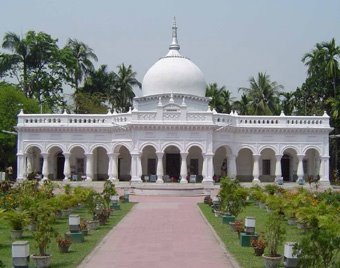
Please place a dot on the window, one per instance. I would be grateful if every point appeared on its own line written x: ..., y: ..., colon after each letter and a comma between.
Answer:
x: 266, y: 167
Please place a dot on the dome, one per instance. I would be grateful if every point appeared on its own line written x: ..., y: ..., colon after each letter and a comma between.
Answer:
x: 174, y: 74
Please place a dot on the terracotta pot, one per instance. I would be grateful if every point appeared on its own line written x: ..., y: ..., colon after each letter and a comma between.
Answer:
x: 258, y: 251
x: 41, y: 261
x: 272, y: 262
x: 63, y: 249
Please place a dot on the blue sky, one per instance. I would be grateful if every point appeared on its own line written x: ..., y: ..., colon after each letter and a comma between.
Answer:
x: 230, y: 41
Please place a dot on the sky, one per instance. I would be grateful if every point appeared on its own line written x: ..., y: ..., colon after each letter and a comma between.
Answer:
x: 230, y: 41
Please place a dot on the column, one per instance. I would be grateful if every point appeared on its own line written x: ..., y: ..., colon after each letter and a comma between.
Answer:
x: 204, y: 167
x: 20, y: 166
x: 134, y: 168
x: 256, y: 170
x: 324, y: 170
x: 139, y: 166
x: 89, y: 167
x: 45, y: 166
x: 209, y: 168
x: 109, y: 168
x: 232, y: 166
x: 184, y: 169
x: 300, y: 168
x: 114, y: 166
x: 29, y: 168
x: 278, y: 170
x: 67, y: 168
x: 160, y: 171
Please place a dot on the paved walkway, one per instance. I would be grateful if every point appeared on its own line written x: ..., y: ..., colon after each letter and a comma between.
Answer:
x: 161, y: 232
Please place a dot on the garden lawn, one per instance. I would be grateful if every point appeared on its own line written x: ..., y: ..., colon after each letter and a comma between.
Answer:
x: 78, y: 251
x: 245, y: 255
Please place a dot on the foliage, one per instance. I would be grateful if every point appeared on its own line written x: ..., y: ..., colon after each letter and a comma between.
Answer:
x: 319, y: 247
x: 232, y: 196
x: 275, y: 233
x: 260, y: 242
x: 220, y: 98
x: 17, y: 219
x: 63, y: 241
x: 109, y: 190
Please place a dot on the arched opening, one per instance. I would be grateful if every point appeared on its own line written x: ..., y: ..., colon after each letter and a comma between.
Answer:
x: 220, y: 163
x: 56, y: 162
x: 100, y: 164
x: 244, y: 165
x: 172, y: 163
x: 311, y: 163
x: 267, y: 165
x: 124, y: 163
x: 34, y: 162
x: 195, y: 163
x: 77, y: 163
x: 149, y: 164
x: 289, y: 163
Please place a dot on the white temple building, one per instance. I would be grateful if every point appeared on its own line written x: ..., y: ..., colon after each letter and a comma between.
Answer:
x: 172, y: 135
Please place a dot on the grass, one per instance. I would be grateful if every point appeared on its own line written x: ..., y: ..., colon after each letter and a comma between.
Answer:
x: 245, y: 255
x: 78, y: 251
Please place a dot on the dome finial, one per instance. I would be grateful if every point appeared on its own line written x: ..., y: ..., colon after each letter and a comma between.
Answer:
x: 174, y: 44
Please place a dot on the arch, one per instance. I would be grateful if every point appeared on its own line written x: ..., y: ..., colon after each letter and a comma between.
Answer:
x: 148, y: 160
x: 55, y: 145
x: 174, y: 144
x: 267, y: 164
x: 146, y: 144
x: 99, y: 145
x: 244, y: 164
x: 246, y: 146
x: 100, y: 163
x: 194, y: 144
x: 311, y: 147
x: 77, y: 145
x: 289, y: 147
x: 34, y: 145
x: 117, y: 147
x: 220, y: 145
x: 269, y: 147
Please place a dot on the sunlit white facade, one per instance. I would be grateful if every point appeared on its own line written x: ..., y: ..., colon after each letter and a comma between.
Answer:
x: 171, y: 135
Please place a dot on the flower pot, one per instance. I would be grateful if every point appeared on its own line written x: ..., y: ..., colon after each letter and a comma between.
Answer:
x: 16, y: 234
x: 271, y: 262
x: 258, y: 251
x: 92, y: 225
x: 291, y: 221
x: 63, y: 249
x: 41, y: 261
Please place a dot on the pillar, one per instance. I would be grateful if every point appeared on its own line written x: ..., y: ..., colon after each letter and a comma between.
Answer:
x: 204, y: 167
x: 278, y: 169
x: 184, y: 168
x: 160, y: 169
x: 232, y: 166
x: 67, y: 168
x: 300, y: 167
x: 114, y: 166
x: 134, y: 168
x: 256, y: 170
x: 324, y: 170
x: 89, y: 167
x: 139, y: 166
x: 45, y: 166
x: 208, y: 178
x: 20, y: 166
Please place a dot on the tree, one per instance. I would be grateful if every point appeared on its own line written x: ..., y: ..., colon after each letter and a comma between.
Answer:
x: 263, y: 95
x: 124, y: 83
x: 242, y: 105
x: 288, y: 103
x: 35, y: 62
x: 220, y: 98
x: 81, y: 63
x: 11, y: 96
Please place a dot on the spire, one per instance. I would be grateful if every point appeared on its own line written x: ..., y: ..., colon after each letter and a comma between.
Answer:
x: 174, y: 44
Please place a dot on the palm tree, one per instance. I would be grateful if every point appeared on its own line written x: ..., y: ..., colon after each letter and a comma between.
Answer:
x: 216, y: 94
x: 20, y: 54
x: 288, y: 103
x: 82, y: 64
x: 332, y: 54
x: 242, y: 105
x: 263, y: 94
x: 125, y: 81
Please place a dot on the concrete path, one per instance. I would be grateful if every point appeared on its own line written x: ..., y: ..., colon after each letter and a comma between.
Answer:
x: 161, y: 232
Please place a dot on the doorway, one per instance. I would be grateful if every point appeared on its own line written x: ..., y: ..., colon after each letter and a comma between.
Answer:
x: 285, y: 167
x: 173, y: 166
x: 60, y: 166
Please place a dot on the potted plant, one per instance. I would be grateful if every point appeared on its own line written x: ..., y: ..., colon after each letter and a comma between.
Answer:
x: 43, y: 234
x: 259, y: 245
x: 233, y: 198
x: 64, y: 243
x: 83, y: 227
x: 17, y: 219
x: 274, y: 235
x: 237, y: 226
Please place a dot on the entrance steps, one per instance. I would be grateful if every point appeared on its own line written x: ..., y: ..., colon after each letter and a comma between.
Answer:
x: 170, y: 189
